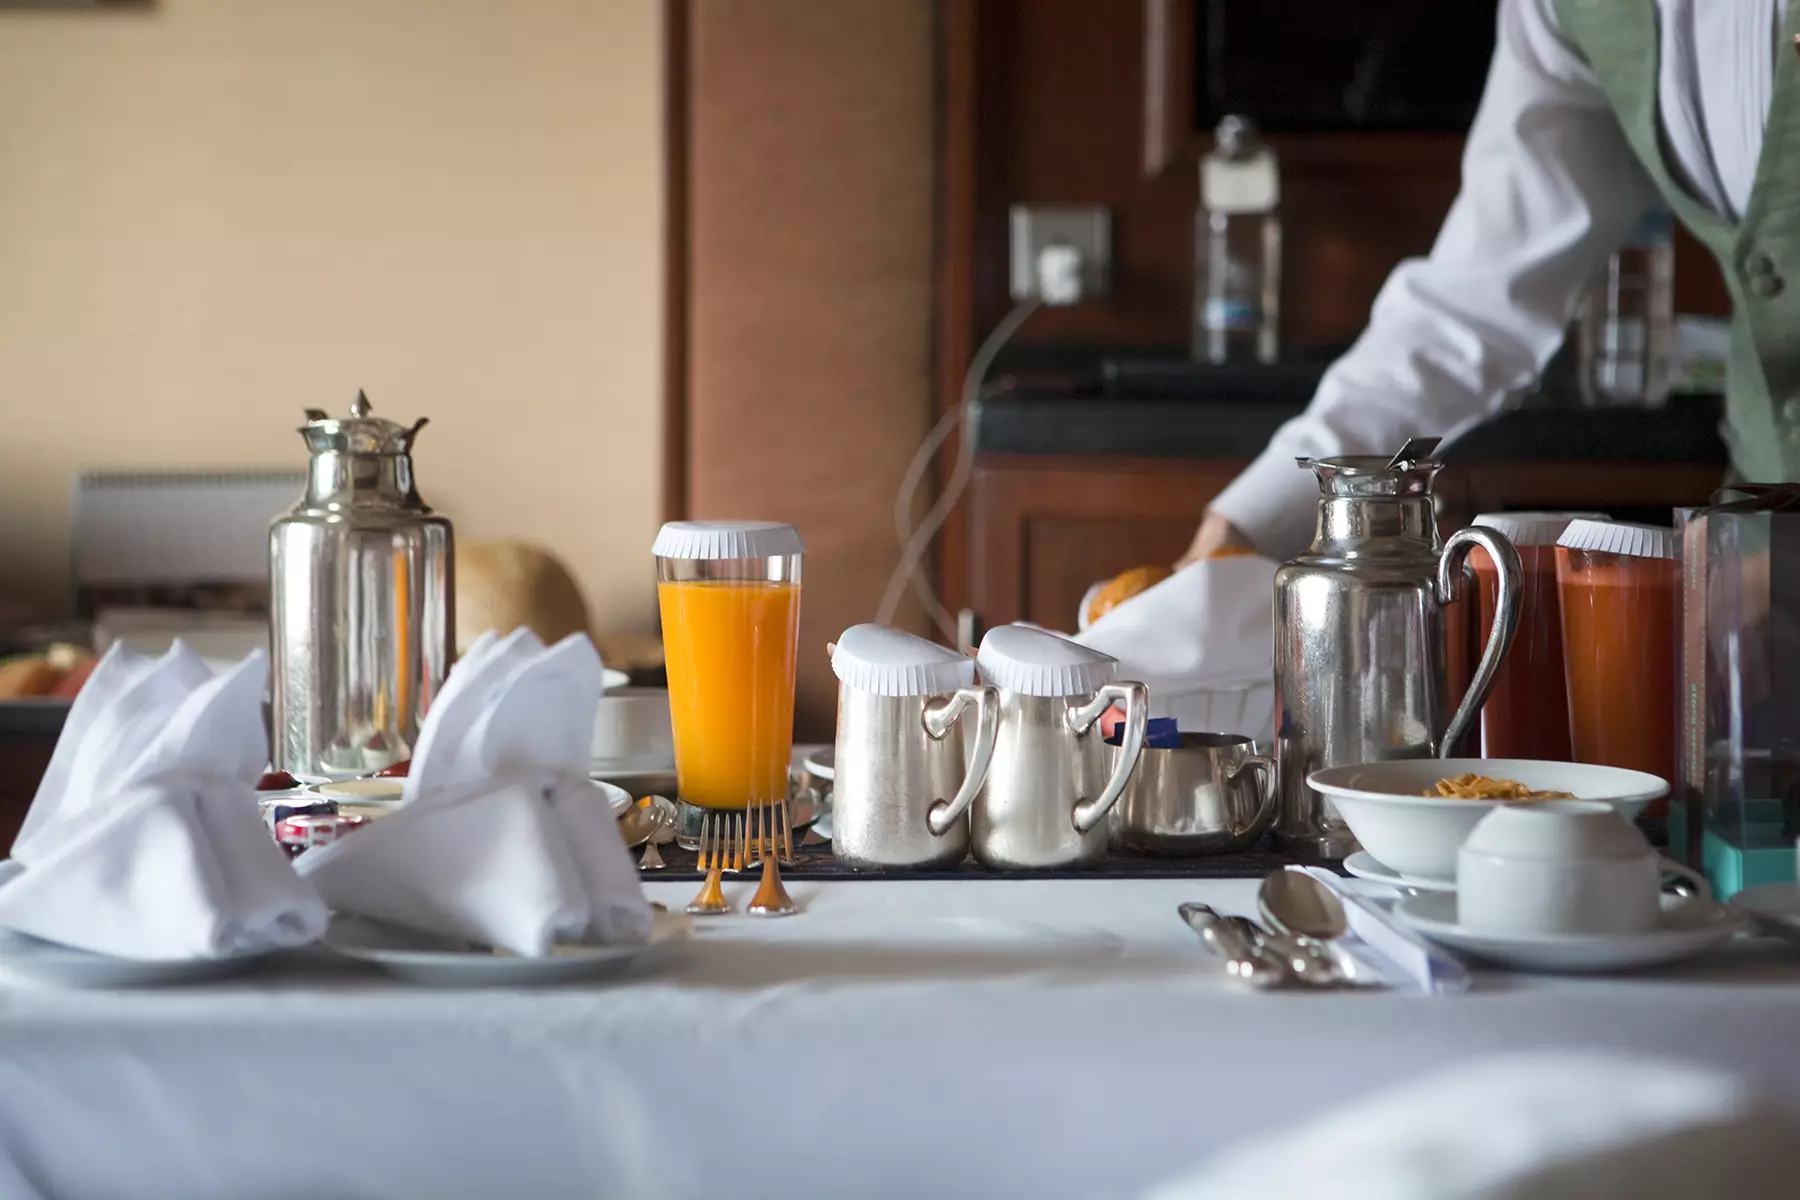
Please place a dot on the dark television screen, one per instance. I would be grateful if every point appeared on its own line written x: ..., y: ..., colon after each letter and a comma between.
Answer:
x: 1318, y: 65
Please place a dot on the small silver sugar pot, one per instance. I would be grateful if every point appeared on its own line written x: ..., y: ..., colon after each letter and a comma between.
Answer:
x: 900, y: 790
x: 1053, y: 778
x: 1209, y: 794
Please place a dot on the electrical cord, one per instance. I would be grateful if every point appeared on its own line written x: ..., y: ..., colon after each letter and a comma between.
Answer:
x: 916, y: 541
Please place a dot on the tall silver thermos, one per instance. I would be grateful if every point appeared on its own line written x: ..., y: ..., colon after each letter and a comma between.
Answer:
x: 361, y: 602
x: 1361, y: 668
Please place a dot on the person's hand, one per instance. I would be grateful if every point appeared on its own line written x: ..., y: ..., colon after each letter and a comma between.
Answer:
x: 1215, y: 534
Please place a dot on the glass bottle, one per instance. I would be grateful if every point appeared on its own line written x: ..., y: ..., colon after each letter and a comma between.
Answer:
x: 1627, y: 323
x: 1237, y: 242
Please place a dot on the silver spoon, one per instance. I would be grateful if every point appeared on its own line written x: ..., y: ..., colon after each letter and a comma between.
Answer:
x: 1296, y: 904
x: 1229, y: 938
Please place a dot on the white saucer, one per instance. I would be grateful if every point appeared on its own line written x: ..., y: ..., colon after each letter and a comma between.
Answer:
x: 1773, y: 908
x: 38, y: 961
x: 1364, y: 865
x: 639, y: 783
x: 823, y: 763
x: 440, y: 962
x: 1689, y: 927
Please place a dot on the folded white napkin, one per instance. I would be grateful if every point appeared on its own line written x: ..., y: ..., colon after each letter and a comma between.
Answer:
x: 1203, y: 642
x: 144, y: 839
x: 500, y: 837
x: 1378, y: 940
x: 1569, y: 1125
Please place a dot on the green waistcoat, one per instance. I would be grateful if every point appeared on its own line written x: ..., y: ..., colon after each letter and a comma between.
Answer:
x: 1760, y: 255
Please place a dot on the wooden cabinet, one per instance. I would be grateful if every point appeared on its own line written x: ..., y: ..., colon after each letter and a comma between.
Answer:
x: 1043, y: 529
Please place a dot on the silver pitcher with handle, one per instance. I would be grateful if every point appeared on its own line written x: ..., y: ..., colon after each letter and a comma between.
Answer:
x: 361, y: 610
x: 1053, y: 777
x: 900, y: 788
x: 1360, y: 665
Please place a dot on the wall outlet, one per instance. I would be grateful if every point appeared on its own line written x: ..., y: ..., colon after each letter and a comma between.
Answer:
x: 1086, y: 227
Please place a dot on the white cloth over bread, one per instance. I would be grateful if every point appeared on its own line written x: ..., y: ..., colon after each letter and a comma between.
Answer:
x: 144, y: 839
x: 1203, y: 642
x: 500, y: 838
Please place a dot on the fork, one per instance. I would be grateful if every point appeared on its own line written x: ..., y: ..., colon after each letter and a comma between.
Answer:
x: 770, y: 839
x: 721, y: 850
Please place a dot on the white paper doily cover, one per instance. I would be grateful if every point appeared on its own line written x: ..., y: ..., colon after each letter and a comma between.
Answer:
x: 727, y: 539
x: 892, y: 662
x: 1533, y: 528
x: 1617, y: 537
x: 1036, y: 663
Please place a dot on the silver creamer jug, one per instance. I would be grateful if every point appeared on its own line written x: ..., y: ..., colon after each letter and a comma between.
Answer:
x: 904, y: 774
x: 1053, y: 778
x: 361, y: 602
x: 1361, y: 673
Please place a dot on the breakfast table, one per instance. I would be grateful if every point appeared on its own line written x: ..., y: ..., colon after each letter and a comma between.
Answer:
x: 1042, y: 1037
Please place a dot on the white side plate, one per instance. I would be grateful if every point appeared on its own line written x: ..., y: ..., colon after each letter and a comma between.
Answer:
x: 34, y: 960
x: 1364, y: 865
x: 437, y: 962
x: 1689, y: 927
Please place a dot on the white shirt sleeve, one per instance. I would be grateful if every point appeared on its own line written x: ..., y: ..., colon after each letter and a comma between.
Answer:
x: 1549, y: 189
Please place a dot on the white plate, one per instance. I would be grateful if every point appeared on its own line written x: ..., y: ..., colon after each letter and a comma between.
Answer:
x: 37, y: 961
x: 617, y: 798
x: 422, y: 958
x: 1364, y: 865
x: 1689, y: 927
x: 610, y: 679
x: 1773, y: 908
x: 823, y: 763
x: 640, y: 783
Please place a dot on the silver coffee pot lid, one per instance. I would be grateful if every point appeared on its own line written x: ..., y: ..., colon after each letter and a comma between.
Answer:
x: 358, y: 433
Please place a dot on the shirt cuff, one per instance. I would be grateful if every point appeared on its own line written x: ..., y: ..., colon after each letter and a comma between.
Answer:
x: 1274, y: 503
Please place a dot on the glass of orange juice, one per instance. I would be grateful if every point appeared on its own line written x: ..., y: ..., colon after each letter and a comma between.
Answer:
x: 729, y: 592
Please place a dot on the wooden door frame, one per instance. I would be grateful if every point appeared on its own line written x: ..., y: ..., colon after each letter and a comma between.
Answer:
x: 677, y: 277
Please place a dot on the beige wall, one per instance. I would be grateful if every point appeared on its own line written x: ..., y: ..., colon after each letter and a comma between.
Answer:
x: 215, y: 213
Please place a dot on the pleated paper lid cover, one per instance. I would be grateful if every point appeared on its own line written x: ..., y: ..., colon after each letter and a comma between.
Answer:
x: 891, y: 662
x: 1034, y: 662
x: 1533, y: 528
x: 727, y: 539
x: 1618, y: 537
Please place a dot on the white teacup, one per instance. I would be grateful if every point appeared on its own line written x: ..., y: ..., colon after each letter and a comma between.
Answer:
x: 1561, y: 868
x: 632, y: 730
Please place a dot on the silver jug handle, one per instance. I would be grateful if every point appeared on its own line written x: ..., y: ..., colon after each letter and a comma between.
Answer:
x: 1506, y: 618
x: 1136, y: 699
x: 939, y: 719
x: 1267, y: 796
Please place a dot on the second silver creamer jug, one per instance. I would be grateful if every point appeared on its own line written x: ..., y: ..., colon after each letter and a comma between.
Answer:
x: 1053, y: 778
x: 361, y: 605
x: 904, y: 774
x: 1361, y: 673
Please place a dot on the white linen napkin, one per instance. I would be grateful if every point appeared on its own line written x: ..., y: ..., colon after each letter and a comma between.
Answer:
x: 1541, y: 1126
x: 144, y: 839
x: 1203, y: 642
x: 500, y: 837
x: 1390, y: 949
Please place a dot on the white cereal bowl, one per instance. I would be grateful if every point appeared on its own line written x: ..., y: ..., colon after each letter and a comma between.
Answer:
x: 1418, y: 835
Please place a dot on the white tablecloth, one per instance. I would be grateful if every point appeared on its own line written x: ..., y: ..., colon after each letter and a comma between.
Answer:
x: 980, y: 1038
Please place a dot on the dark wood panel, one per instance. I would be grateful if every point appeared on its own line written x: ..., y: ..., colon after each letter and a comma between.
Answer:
x: 1064, y: 556
x: 1043, y: 529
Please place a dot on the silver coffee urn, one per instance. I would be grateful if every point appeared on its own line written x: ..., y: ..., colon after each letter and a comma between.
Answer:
x: 361, y: 602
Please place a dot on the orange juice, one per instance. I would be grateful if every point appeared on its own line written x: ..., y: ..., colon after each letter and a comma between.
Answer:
x: 730, y: 647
